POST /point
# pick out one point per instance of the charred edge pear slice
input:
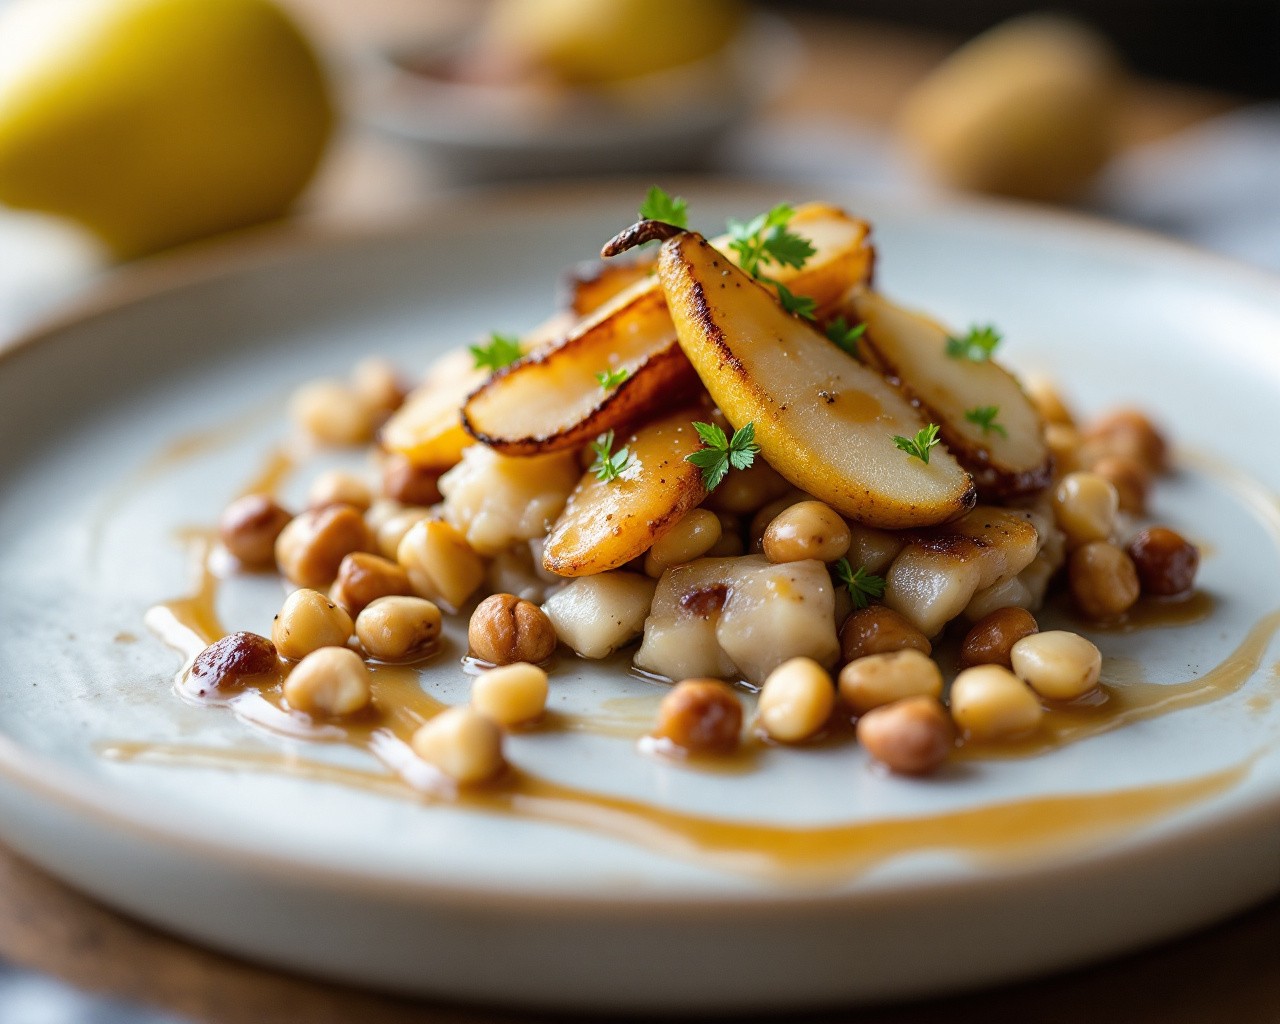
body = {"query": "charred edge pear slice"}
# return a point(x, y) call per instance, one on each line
point(592, 285)
point(913, 348)
point(606, 524)
point(822, 419)
point(553, 401)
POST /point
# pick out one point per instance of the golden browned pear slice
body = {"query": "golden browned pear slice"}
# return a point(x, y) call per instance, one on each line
point(608, 523)
point(822, 419)
point(986, 420)
point(590, 287)
point(555, 399)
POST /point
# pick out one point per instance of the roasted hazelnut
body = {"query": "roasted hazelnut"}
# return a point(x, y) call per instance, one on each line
point(313, 545)
point(992, 637)
point(911, 736)
point(808, 529)
point(249, 527)
point(505, 629)
point(879, 630)
point(1130, 478)
point(408, 484)
point(363, 578)
point(232, 662)
point(1103, 580)
point(700, 715)
point(1166, 561)
point(1129, 433)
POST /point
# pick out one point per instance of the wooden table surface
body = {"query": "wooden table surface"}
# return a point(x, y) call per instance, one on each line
point(852, 71)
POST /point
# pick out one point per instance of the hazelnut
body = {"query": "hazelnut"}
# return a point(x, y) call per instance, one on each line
point(249, 527)
point(505, 629)
point(700, 715)
point(1103, 580)
point(1129, 433)
point(992, 637)
point(408, 484)
point(879, 630)
point(912, 736)
point(233, 662)
point(313, 545)
point(1166, 561)
point(363, 578)
point(1131, 479)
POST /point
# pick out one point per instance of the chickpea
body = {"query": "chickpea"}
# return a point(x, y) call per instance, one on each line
point(1085, 506)
point(1165, 560)
point(796, 700)
point(409, 484)
point(233, 662)
point(1063, 443)
point(880, 679)
point(991, 638)
point(377, 384)
point(990, 703)
point(363, 578)
point(1103, 580)
point(463, 744)
point(441, 564)
point(1130, 433)
point(879, 630)
point(693, 535)
point(313, 545)
point(912, 736)
point(391, 531)
point(249, 527)
point(810, 529)
point(308, 621)
point(1130, 478)
point(329, 681)
point(700, 715)
point(745, 490)
point(337, 487)
point(1057, 664)
point(767, 514)
point(730, 543)
point(511, 694)
point(398, 628)
point(505, 629)
point(1048, 402)
point(332, 413)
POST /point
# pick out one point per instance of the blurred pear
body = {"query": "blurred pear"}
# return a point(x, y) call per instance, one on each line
point(1027, 109)
point(595, 42)
point(155, 122)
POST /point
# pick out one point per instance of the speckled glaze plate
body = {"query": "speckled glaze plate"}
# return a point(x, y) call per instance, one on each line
point(620, 881)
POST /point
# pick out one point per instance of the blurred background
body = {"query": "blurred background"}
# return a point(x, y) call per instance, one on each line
point(131, 130)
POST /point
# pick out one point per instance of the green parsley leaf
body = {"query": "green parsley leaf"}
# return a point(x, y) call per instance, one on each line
point(984, 416)
point(863, 586)
point(659, 205)
point(608, 467)
point(765, 239)
point(918, 447)
point(977, 346)
point(800, 305)
point(610, 379)
point(844, 336)
point(502, 350)
point(723, 453)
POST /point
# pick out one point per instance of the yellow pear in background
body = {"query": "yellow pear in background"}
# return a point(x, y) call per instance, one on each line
point(155, 122)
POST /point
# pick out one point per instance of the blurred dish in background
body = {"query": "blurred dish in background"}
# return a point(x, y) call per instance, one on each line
point(481, 108)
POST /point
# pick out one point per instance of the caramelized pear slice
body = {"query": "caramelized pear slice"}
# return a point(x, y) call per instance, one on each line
point(1009, 458)
point(608, 523)
point(554, 400)
point(822, 419)
point(591, 286)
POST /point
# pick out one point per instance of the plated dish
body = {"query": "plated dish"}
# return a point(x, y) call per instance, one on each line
point(801, 847)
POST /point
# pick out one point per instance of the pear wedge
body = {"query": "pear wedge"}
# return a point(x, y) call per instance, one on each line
point(1008, 460)
point(822, 419)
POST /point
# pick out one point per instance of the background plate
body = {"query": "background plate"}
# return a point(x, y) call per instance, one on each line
point(126, 423)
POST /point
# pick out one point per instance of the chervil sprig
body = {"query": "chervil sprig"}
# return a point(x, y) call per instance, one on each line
point(661, 205)
point(977, 346)
point(610, 379)
point(984, 416)
point(800, 305)
point(765, 239)
point(608, 467)
point(918, 447)
point(863, 586)
point(502, 350)
point(844, 336)
point(722, 453)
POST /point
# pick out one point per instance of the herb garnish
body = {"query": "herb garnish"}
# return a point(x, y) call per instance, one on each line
point(984, 416)
point(608, 467)
point(977, 346)
point(660, 205)
point(765, 239)
point(918, 447)
point(863, 586)
point(502, 350)
point(723, 453)
point(844, 336)
point(610, 379)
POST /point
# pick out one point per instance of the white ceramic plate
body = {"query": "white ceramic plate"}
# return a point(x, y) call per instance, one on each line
point(96, 477)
